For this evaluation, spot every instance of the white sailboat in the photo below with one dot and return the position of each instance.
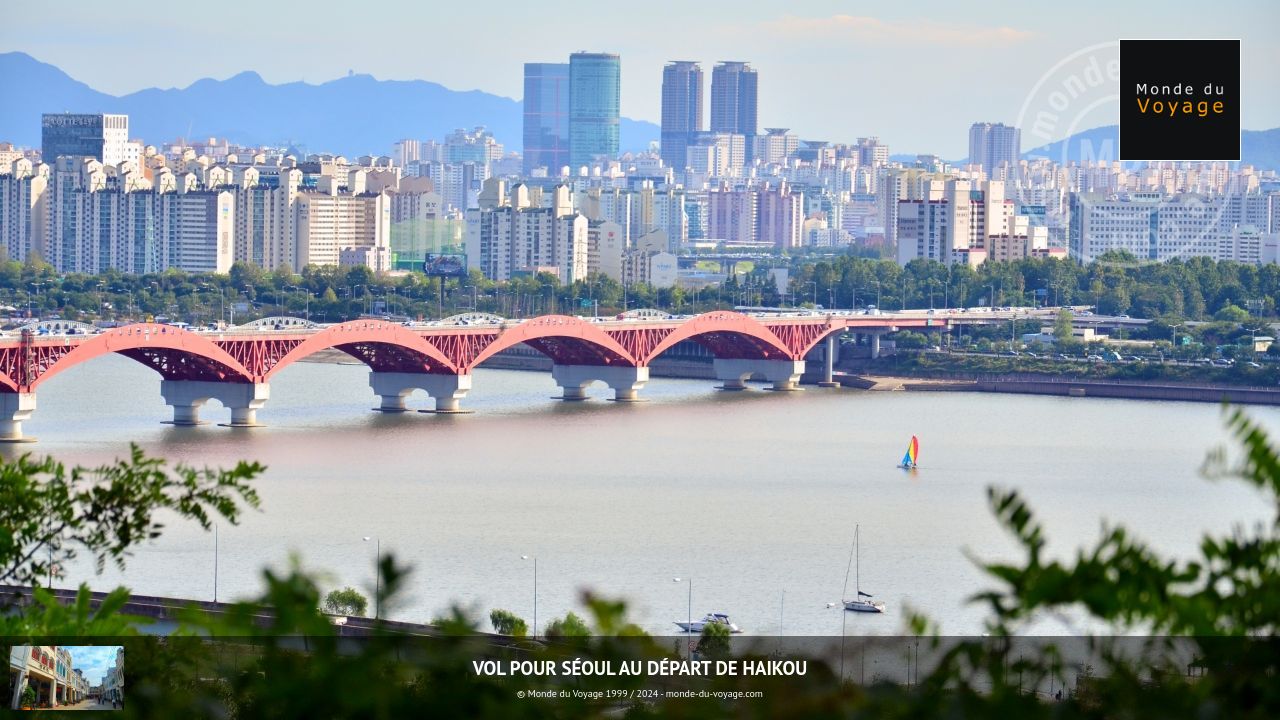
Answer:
(861, 601)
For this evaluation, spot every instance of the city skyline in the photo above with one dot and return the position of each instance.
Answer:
(815, 61)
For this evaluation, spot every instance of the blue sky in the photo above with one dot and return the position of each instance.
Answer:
(916, 74)
(93, 660)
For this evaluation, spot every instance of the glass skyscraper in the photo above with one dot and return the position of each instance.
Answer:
(681, 110)
(546, 116)
(734, 101)
(595, 81)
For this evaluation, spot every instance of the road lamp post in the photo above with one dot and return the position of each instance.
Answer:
(689, 626)
(215, 562)
(377, 588)
(534, 558)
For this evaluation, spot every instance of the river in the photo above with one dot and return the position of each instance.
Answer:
(753, 495)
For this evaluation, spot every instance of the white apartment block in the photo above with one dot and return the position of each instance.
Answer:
(1159, 227)
(507, 234)
(22, 208)
(328, 222)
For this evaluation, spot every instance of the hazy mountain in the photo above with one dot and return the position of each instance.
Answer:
(1259, 148)
(353, 115)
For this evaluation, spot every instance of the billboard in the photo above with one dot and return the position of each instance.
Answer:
(445, 265)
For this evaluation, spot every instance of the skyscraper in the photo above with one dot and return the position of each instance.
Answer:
(595, 81)
(681, 110)
(991, 145)
(546, 116)
(101, 137)
(734, 88)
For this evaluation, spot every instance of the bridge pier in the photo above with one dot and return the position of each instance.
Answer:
(394, 388)
(626, 381)
(14, 409)
(188, 396)
(875, 345)
(734, 372)
(829, 362)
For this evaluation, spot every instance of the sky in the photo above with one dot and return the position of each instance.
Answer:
(93, 661)
(915, 74)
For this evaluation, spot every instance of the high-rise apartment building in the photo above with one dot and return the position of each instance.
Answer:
(681, 110)
(22, 209)
(102, 137)
(546, 117)
(508, 233)
(595, 82)
(994, 145)
(734, 102)
(329, 223)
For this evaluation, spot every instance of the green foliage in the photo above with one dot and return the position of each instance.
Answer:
(506, 622)
(570, 626)
(713, 644)
(1063, 326)
(49, 514)
(28, 696)
(347, 601)
(1232, 314)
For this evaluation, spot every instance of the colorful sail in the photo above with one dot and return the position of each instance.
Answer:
(913, 452)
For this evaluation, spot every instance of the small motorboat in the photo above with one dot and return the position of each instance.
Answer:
(708, 619)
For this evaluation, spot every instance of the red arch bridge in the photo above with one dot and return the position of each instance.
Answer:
(235, 365)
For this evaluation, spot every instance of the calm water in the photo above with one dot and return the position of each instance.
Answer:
(753, 495)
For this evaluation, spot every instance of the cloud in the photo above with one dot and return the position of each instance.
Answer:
(870, 30)
(93, 660)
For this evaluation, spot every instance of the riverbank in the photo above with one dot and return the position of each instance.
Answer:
(882, 376)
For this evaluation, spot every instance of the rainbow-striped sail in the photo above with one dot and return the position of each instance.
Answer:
(913, 452)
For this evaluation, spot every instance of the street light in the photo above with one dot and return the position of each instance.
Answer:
(689, 627)
(215, 562)
(535, 592)
(377, 588)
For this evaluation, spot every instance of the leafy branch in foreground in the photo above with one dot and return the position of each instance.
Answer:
(1232, 589)
(49, 514)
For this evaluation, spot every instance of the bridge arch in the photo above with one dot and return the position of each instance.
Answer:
(566, 340)
(175, 353)
(382, 345)
(728, 335)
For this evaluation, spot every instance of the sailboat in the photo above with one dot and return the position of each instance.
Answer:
(913, 452)
(858, 603)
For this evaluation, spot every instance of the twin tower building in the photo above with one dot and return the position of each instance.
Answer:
(572, 113)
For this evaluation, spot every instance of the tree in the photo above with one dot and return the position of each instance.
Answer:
(1232, 313)
(347, 601)
(1063, 325)
(571, 626)
(714, 641)
(506, 622)
(49, 514)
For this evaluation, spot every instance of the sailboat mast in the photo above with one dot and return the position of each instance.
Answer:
(857, 578)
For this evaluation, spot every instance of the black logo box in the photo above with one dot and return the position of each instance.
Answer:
(1188, 66)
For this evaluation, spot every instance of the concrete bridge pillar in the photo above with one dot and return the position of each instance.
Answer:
(188, 396)
(875, 345)
(626, 381)
(14, 409)
(784, 374)
(829, 362)
(395, 387)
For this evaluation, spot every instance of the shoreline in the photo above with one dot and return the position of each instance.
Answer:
(1022, 384)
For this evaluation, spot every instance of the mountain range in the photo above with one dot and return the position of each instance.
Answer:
(1259, 148)
(353, 115)
(343, 115)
